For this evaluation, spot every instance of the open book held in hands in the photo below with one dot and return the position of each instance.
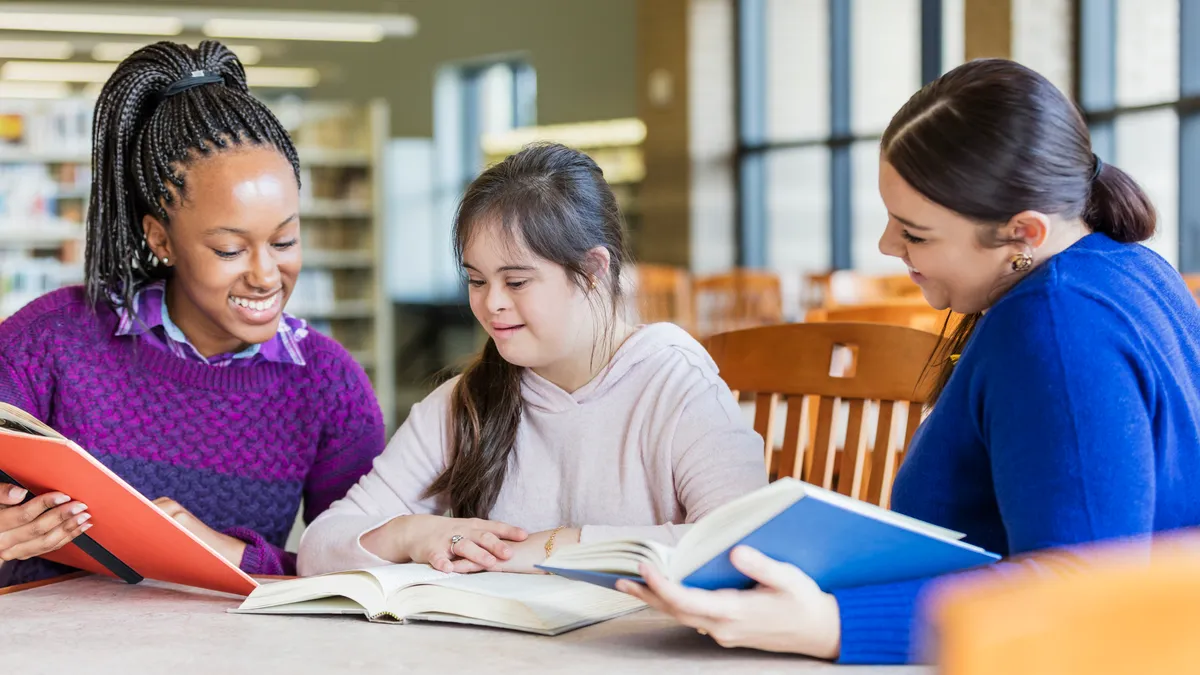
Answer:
(531, 603)
(838, 541)
(131, 538)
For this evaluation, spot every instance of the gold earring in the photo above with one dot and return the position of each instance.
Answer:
(594, 282)
(1021, 262)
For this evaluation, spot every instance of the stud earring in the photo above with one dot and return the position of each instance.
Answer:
(1021, 262)
(166, 261)
(594, 282)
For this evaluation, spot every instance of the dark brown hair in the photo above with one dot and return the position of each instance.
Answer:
(554, 201)
(991, 139)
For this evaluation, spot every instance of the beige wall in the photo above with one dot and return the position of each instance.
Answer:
(584, 52)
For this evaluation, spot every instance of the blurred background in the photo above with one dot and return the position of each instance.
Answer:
(740, 135)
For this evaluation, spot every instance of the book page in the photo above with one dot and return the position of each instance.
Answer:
(392, 578)
(618, 556)
(12, 417)
(543, 603)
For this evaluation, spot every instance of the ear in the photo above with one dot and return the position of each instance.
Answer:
(1031, 228)
(156, 237)
(596, 263)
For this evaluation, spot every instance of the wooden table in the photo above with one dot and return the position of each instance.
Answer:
(90, 624)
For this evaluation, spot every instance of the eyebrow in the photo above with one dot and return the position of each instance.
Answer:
(908, 223)
(506, 268)
(238, 231)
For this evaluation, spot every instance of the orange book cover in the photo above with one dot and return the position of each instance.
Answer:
(125, 522)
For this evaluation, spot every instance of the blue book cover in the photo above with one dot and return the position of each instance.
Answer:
(838, 542)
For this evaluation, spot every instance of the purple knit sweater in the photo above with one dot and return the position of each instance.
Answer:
(239, 448)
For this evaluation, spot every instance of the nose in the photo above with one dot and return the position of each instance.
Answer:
(263, 274)
(497, 299)
(890, 242)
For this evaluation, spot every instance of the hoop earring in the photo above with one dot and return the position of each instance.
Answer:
(1021, 262)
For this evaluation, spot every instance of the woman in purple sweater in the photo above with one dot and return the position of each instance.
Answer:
(175, 365)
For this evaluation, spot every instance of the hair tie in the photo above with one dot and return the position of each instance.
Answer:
(198, 78)
(1099, 167)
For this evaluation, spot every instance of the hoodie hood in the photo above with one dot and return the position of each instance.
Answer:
(649, 342)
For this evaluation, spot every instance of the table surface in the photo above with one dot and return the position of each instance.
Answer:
(90, 624)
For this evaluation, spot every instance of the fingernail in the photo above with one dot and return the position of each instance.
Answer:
(78, 508)
(61, 499)
(624, 586)
(85, 528)
(83, 519)
(17, 493)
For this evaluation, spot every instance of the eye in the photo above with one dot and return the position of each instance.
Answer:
(285, 245)
(517, 284)
(476, 283)
(911, 239)
(226, 255)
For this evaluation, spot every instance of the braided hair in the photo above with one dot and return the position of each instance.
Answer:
(142, 143)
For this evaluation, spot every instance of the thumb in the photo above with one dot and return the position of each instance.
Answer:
(770, 573)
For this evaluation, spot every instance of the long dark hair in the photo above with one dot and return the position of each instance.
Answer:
(991, 139)
(142, 144)
(554, 200)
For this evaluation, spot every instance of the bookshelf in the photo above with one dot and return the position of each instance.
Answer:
(45, 177)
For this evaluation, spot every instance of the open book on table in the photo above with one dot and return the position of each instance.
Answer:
(838, 541)
(532, 603)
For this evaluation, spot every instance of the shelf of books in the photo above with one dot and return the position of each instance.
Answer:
(45, 177)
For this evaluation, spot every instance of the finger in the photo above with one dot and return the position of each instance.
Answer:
(46, 534)
(31, 510)
(462, 566)
(11, 495)
(80, 529)
(469, 550)
(441, 562)
(705, 604)
(503, 530)
(770, 573)
(492, 544)
(660, 604)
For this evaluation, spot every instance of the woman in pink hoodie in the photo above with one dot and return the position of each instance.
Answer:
(571, 426)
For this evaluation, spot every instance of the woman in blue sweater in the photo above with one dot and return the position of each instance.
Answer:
(1071, 412)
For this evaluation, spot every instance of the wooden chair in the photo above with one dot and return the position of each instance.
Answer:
(1102, 610)
(848, 287)
(738, 299)
(1193, 284)
(912, 313)
(793, 362)
(663, 293)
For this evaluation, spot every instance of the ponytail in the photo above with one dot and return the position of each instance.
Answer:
(485, 412)
(1118, 207)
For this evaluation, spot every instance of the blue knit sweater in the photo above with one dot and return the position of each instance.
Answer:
(1073, 415)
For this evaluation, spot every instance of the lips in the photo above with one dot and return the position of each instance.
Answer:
(257, 310)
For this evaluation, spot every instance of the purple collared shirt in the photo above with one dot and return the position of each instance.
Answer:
(150, 320)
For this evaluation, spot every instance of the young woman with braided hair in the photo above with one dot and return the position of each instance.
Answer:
(175, 364)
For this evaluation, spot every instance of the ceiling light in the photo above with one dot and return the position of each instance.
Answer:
(18, 90)
(292, 78)
(119, 51)
(59, 22)
(55, 71)
(328, 31)
(35, 49)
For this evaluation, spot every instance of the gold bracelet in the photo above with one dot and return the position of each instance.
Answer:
(550, 542)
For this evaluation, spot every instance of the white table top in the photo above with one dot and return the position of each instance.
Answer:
(97, 625)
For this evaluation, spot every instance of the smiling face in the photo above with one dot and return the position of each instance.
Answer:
(941, 248)
(538, 316)
(234, 246)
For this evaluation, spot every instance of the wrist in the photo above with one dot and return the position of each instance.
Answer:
(388, 541)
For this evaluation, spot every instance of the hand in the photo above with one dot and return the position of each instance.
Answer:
(426, 539)
(44, 524)
(532, 551)
(786, 612)
(230, 548)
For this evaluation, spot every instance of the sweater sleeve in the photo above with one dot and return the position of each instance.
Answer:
(716, 457)
(412, 460)
(1064, 410)
(352, 437)
(27, 375)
